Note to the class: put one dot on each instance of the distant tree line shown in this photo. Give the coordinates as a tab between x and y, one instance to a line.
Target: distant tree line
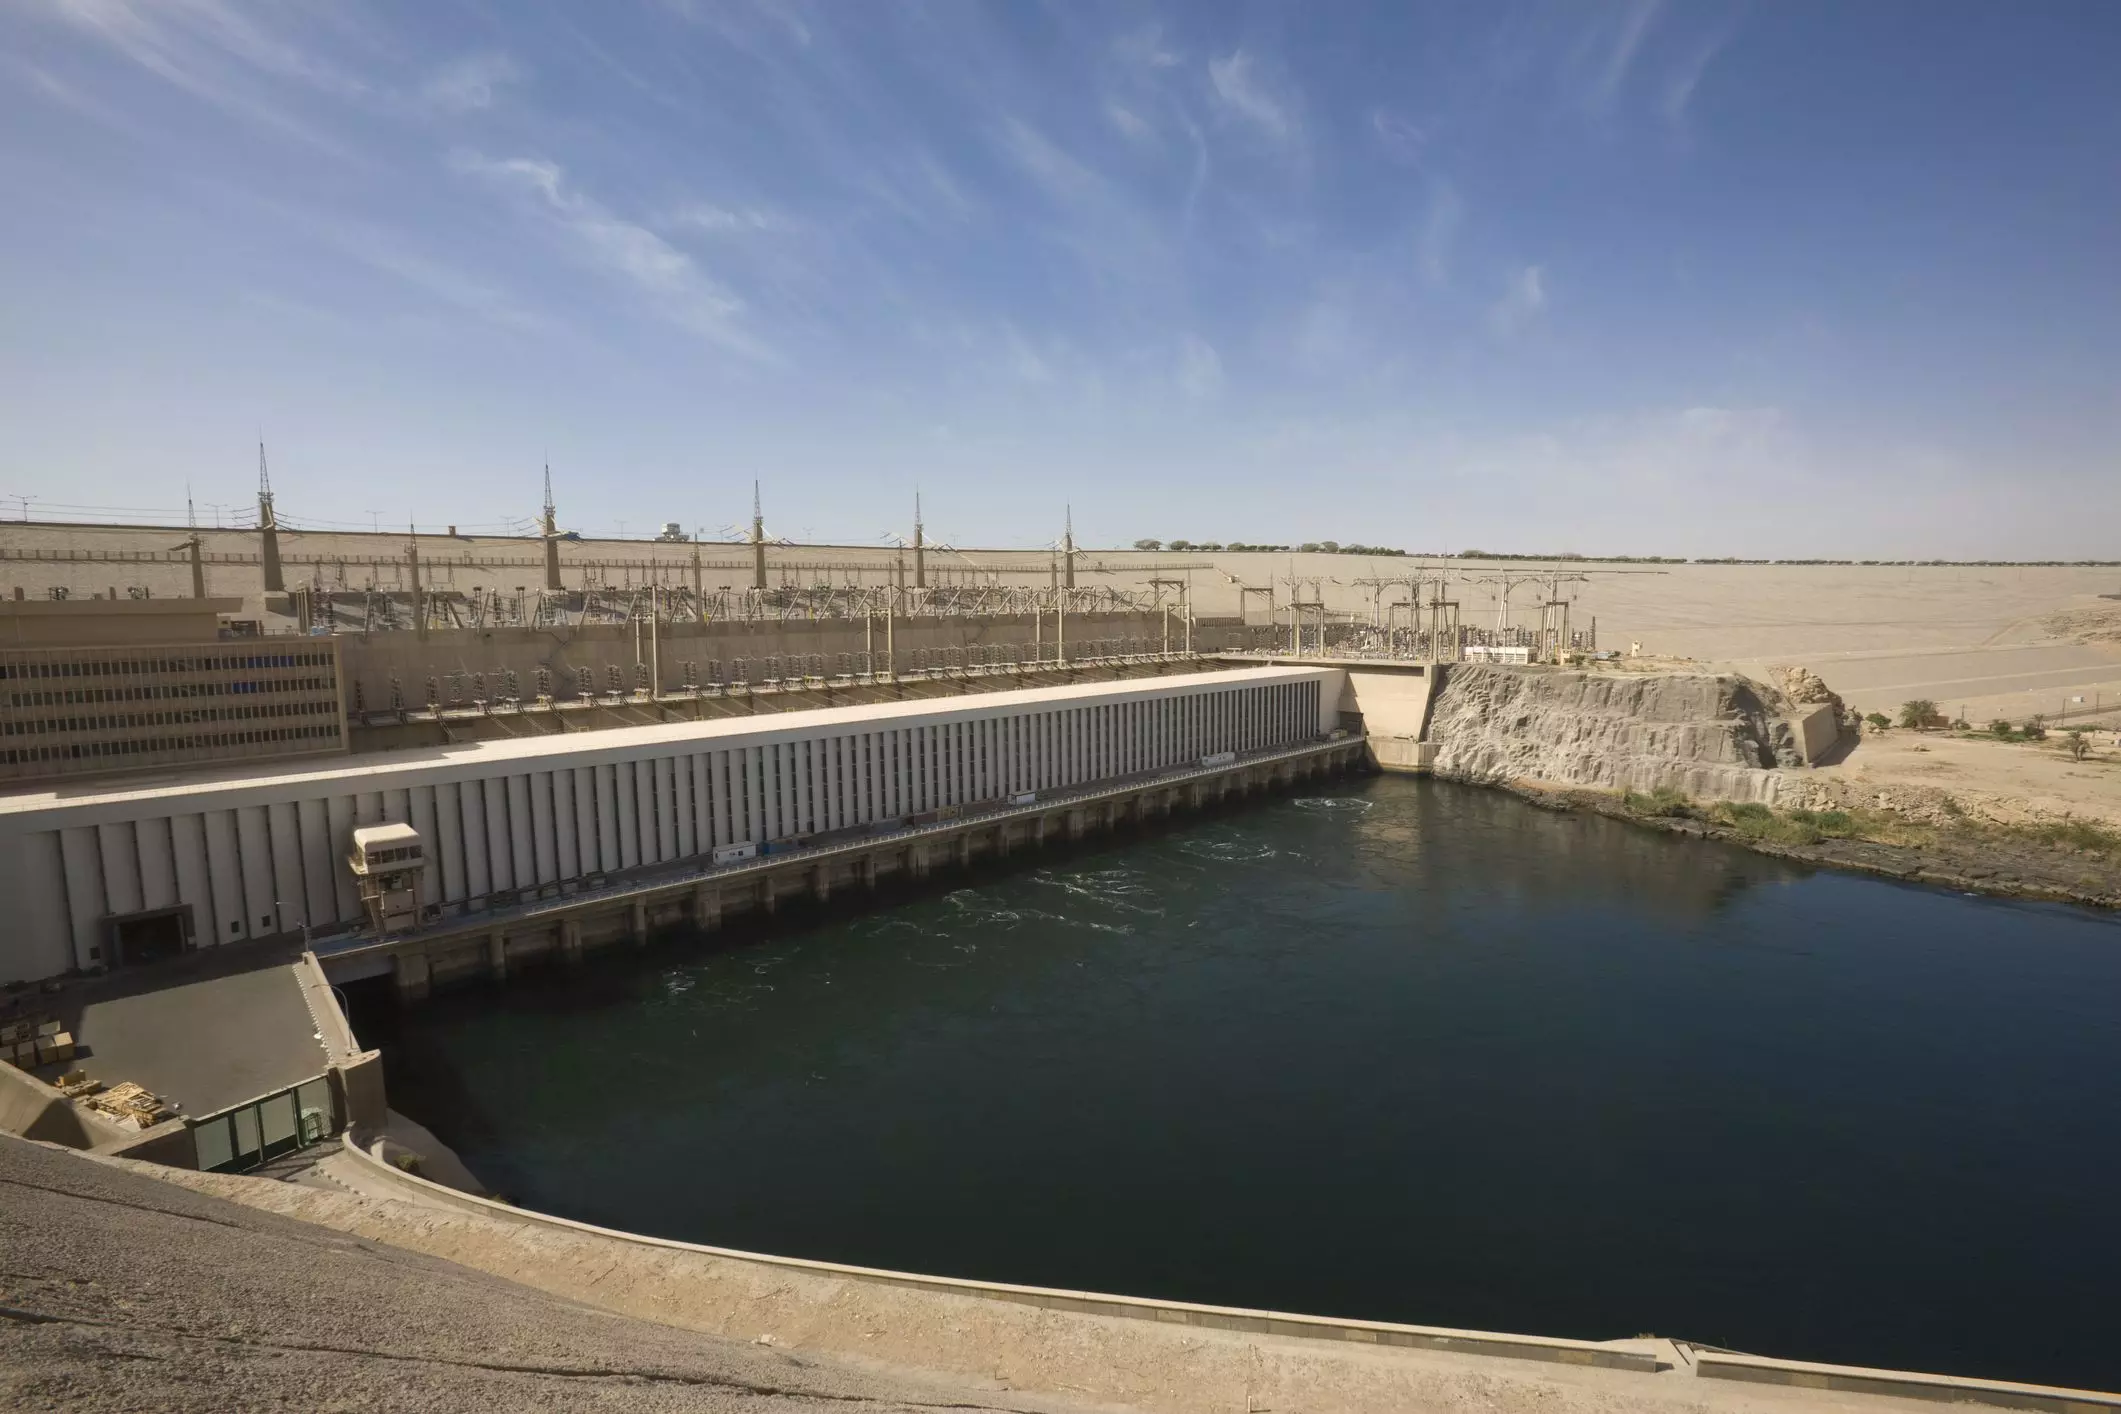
1238	547
1334	547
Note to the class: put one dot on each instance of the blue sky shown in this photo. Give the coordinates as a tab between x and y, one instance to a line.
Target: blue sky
1706	278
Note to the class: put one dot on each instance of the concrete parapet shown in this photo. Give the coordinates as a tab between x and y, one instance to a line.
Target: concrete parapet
168	1143
688	1262
1402	754
34	1110
1901	1384
364	1108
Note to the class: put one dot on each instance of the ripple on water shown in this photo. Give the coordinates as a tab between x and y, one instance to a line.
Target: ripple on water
1332	804
1112	888
1228	850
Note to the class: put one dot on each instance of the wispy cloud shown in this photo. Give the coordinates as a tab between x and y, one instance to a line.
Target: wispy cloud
1401	140
1248	94
1679	90
71	96
715	220
214	53
676	288
1628	34
1130	125
1025	362
1200	368
1102	222
1146	47
387	255
1523	300
1059	173
470	83
1439	233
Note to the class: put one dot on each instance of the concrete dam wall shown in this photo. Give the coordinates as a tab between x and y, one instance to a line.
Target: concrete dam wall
244	855
1714	736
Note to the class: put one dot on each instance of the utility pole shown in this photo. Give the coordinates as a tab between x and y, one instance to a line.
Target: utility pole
655	645
758	542
198	568
1068	549
699	598
412	558
268	527
920	552
551	527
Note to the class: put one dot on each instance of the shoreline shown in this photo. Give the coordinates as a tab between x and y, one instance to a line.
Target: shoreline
1997	867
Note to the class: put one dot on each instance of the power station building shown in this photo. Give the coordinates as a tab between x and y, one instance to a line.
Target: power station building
99	877
104	686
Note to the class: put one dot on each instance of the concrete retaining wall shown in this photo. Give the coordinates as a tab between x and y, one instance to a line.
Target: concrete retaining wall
34	1110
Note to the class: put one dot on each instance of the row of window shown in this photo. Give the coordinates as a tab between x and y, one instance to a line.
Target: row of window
134	667
99	750
264	711
60	697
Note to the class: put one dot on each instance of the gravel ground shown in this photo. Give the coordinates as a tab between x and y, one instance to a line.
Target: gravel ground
122	1293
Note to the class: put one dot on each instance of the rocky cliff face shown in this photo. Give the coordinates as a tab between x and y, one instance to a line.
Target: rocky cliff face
1713	736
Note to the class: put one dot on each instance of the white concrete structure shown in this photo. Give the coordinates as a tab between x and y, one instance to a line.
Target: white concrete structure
260	853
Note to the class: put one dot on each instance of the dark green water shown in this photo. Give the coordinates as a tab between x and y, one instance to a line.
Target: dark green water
1403	1050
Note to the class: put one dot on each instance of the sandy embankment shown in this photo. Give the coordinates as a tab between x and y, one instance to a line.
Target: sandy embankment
1932	776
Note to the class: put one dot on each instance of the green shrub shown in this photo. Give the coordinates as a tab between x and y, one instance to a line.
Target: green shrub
1754	821
1664	801
1878	721
2075	834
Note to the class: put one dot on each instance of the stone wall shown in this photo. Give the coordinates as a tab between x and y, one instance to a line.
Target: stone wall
1712	736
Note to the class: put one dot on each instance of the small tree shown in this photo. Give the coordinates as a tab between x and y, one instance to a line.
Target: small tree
1148	544
2036	729
1919	712
2079	748
1181	544
1999	727
1878	721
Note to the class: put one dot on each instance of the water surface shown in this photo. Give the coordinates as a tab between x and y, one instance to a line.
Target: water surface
1400	1050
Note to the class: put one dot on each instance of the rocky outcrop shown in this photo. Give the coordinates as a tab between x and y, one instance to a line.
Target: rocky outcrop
1713	736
